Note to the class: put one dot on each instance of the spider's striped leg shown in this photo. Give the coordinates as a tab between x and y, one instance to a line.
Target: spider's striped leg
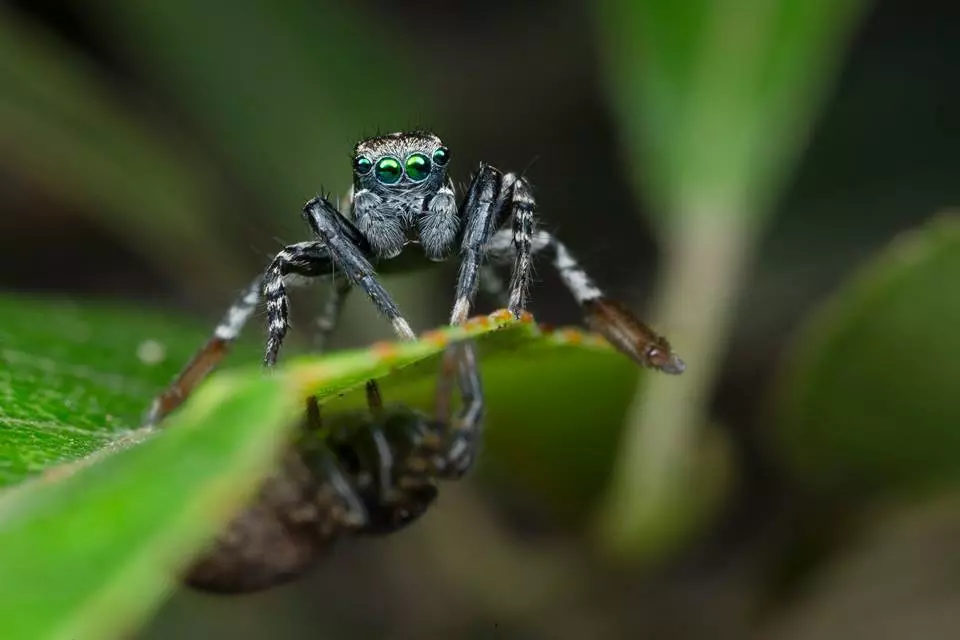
305	259
296	261
523	214
348	249
606	316
479	212
208	357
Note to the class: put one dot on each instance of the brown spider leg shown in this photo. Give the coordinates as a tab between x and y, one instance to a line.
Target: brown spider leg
632	337
208	357
608	317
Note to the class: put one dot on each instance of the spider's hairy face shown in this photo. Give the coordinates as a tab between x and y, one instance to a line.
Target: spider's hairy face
400	192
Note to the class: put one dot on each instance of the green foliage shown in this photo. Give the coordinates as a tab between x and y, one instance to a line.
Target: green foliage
869	402
75	377
88	551
111	513
719	94
714	99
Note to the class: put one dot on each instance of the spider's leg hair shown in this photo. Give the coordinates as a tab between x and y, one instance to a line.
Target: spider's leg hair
608	317
307	259
329	316
523	214
208	357
479	213
348	250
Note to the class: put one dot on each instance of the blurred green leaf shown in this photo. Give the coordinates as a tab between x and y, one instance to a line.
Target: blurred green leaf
555	409
869	401
88	552
718	95
63	128
715	99
112	528
74	378
283	89
896	578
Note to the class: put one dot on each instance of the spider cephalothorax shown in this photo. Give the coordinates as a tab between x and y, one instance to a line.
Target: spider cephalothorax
401	194
402	197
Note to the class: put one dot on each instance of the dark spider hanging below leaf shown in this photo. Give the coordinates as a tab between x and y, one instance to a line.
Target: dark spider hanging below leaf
372	474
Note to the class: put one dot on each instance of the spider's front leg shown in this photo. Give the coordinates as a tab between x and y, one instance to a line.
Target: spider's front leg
608	317
208	357
491	199
479	213
349	249
307	259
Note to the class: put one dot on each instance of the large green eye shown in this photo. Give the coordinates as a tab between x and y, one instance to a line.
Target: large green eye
362	165
389	170
418	167
441	156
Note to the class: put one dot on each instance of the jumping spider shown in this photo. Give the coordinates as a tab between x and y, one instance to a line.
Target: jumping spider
372	474
402	196
380	475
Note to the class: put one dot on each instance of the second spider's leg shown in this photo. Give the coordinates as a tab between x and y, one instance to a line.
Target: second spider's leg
493	285
348	250
479	213
461	437
606	316
208	357
346	509
329	316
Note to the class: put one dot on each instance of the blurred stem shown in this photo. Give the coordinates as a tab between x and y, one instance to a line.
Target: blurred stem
717	97
659	453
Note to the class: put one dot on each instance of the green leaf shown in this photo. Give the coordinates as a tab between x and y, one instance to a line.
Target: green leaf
110	515
715	99
555	408
89	551
719	94
869	401
74	378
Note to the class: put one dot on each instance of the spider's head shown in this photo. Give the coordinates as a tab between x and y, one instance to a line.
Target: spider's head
399	163
401	194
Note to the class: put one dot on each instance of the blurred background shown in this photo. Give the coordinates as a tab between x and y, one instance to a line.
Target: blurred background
742	175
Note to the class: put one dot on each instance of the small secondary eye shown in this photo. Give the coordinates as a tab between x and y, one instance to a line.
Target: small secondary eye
418	167
441	156
389	170
362	165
